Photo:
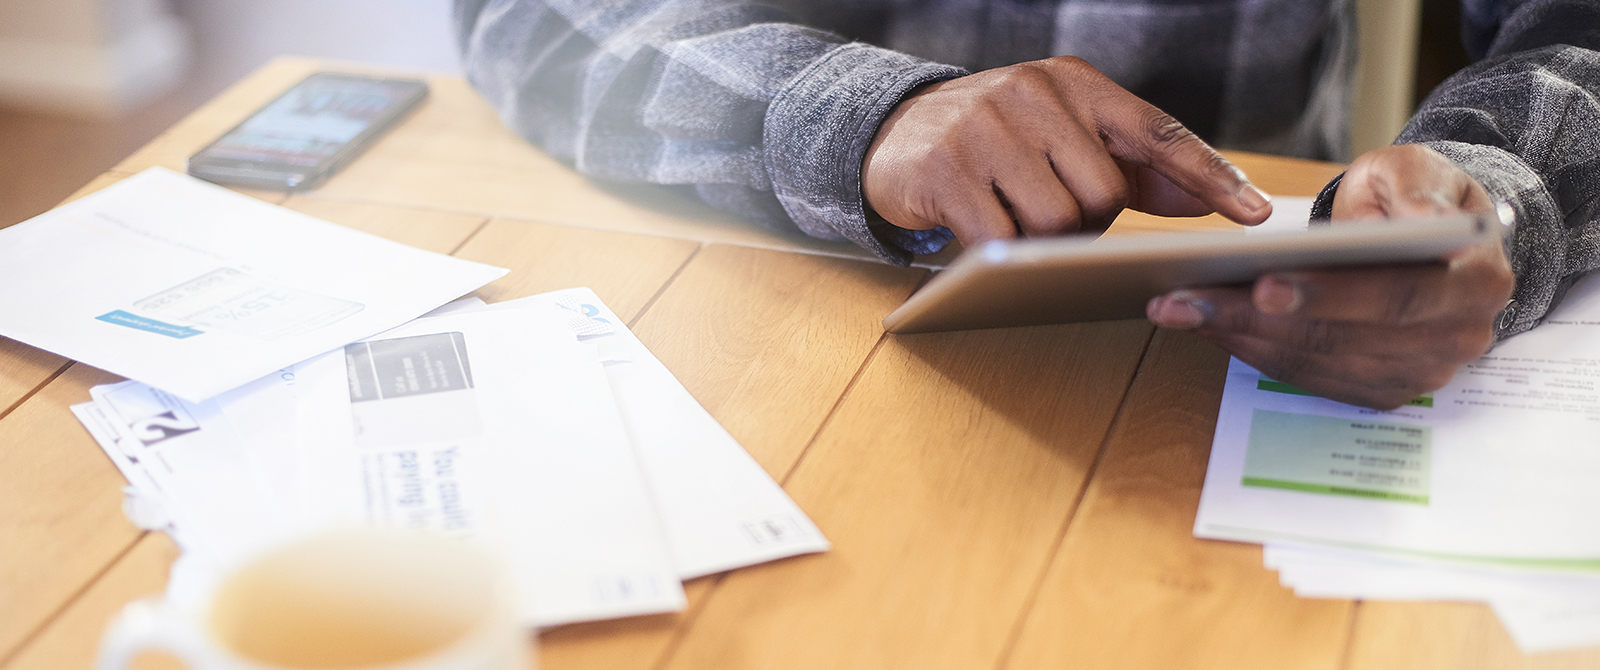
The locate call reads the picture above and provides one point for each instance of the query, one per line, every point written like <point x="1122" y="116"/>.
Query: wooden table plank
<point x="767" y="341"/>
<point x="1131" y="587"/>
<point x="61" y="506"/>
<point x="1460" y="636"/>
<point x="439" y="232"/>
<point x="943" y="480"/>
<point x="23" y="369"/>
<point x="70" y="640"/>
<point x="626" y="271"/>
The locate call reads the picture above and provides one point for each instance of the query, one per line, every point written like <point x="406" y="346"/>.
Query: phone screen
<point x="310" y="123"/>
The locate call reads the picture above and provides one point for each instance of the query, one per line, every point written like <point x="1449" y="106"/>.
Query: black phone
<point x="304" y="135"/>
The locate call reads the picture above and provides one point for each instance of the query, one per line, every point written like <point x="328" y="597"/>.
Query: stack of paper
<point x="1484" y="490"/>
<point x="541" y="425"/>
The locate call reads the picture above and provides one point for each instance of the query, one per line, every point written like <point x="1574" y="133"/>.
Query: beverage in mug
<point x="359" y="598"/>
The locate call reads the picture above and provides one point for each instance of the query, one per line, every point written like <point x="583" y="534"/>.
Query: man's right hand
<point x="1043" y="148"/>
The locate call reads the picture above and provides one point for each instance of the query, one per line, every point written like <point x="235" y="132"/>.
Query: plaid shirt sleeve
<point x="761" y="117"/>
<point x="1523" y="121"/>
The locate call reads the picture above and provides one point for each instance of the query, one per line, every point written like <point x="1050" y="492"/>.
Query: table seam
<point x="1013" y="638"/>
<point x="1346" y="655"/>
<point x="36" y="389"/>
<point x="77" y="594"/>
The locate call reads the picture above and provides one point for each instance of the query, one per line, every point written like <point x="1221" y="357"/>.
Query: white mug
<point x="358" y="598"/>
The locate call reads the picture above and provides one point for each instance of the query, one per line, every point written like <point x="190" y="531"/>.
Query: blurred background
<point x="85" y="82"/>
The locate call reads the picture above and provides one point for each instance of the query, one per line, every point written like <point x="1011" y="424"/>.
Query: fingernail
<point x="1276" y="295"/>
<point x="1253" y="199"/>
<point x="1178" y="310"/>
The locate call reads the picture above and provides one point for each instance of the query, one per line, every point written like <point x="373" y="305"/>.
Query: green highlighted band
<point x="1275" y="386"/>
<point x="1335" y="490"/>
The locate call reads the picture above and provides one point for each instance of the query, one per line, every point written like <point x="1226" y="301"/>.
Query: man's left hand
<point x="1373" y="336"/>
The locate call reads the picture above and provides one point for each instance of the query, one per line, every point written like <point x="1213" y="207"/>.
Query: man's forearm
<point x="765" y="118"/>
<point x="1522" y="122"/>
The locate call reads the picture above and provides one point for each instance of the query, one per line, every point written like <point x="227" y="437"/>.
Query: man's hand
<point x="1042" y="148"/>
<point x="1375" y="336"/>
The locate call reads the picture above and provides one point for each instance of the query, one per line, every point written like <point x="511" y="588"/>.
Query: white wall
<point x="108" y="57"/>
<point x="94" y="57"/>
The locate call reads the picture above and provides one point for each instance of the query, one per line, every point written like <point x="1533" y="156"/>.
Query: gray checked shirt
<point x="766" y="109"/>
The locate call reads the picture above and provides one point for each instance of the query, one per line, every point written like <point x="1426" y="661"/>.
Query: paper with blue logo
<point x="195" y="289"/>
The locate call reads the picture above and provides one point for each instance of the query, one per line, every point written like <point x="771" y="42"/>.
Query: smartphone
<point x="314" y="128"/>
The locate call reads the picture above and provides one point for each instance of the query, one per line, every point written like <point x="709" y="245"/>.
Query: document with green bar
<point x="1498" y="470"/>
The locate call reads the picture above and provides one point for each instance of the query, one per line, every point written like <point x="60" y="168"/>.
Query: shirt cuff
<point x="1537" y="246"/>
<point x="818" y="129"/>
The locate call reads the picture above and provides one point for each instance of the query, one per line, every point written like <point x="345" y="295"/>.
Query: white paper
<point x="503" y="428"/>
<point x="1479" y="491"/>
<point x="1541" y="611"/>
<point x="720" y="509"/>
<point x="207" y="483"/>
<point x="1500" y="466"/>
<point x="1551" y="623"/>
<point x="1289" y="213"/>
<point x="194" y="289"/>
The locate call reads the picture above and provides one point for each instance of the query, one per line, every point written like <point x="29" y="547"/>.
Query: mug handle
<point x="147" y="625"/>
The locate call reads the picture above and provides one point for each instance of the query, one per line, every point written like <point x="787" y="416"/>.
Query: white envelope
<point x="497" y="424"/>
<point x="720" y="509"/>
<point x="195" y="289"/>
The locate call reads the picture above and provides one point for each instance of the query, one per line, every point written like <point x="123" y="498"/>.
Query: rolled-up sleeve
<point x="1523" y="121"/>
<point x="758" y="116"/>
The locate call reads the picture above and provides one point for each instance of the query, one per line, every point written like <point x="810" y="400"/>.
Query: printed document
<point x="542" y="422"/>
<point x="1481" y="490"/>
<point x="1497" y="464"/>
<point x="194" y="289"/>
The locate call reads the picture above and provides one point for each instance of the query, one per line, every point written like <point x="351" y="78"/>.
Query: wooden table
<point x="1017" y="498"/>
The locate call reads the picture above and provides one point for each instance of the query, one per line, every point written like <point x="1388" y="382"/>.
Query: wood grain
<point x="1131" y="587"/>
<point x="943" y="479"/>
<point x="1460" y="636"/>
<point x="626" y="271"/>
<point x="439" y="232"/>
<point x="767" y="341"/>
<point x="61" y="519"/>
<point x="69" y="641"/>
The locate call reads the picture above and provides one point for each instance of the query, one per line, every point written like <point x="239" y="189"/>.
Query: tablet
<point x="1024" y="282"/>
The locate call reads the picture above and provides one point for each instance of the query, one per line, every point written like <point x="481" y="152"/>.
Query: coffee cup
<point x="358" y="598"/>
